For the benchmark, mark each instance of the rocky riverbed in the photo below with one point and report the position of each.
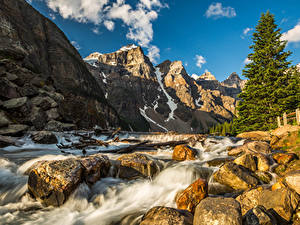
(208, 180)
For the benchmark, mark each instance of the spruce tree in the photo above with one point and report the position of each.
(272, 87)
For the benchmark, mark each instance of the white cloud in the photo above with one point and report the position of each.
(96, 30)
(216, 10)
(247, 30)
(138, 19)
(153, 53)
(292, 35)
(200, 61)
(247, 61)
(79, 10)
(76, 45)
(52, 16)
(110, 25)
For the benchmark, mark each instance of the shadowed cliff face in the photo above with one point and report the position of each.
(160, 98)
(37, 52)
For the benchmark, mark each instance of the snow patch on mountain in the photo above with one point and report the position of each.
(127, 48)
(195, 76)
(197, 102)
(143, 113)
(171, 103)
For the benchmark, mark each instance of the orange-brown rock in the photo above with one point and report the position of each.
(192, 195)
(285, 137)
(282, 201)
(256, 135)
(160, 215)
(253, 146)
(283, 158)
(184, 152)
(138, 165)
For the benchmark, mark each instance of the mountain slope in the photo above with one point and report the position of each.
(42, 59)
(161, 98)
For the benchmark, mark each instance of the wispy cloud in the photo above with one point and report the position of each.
(292, 35)
(110, 25)
(200, 60)
(246, 32)
(153, 53)
(76, 45)
(216, 10)
(138, 18)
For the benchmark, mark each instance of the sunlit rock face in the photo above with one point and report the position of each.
(161, 98)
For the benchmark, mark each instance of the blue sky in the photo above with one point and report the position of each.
(203, 34)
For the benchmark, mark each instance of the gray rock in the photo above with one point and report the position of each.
(8, 89)
(4, 121)
(164, 215)
(235, 176)
(44, 102)
(8, 141)
(54, 125)
(11, 77)
(15, 103)
(221, 211)
(52, 114)
(259, 216)
(44, 137)
(38, 118)
(14, 130)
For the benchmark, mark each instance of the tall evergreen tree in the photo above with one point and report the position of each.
(272, 87)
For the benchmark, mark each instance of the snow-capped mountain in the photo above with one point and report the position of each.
(161, 98)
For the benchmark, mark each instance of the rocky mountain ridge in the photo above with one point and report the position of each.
(44, 83)
(165, 97)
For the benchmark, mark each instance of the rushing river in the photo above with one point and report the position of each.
(109, 201)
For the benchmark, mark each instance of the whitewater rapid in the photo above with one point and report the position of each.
(111, 199)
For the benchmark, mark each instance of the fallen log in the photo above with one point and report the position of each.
(113, 134)
(143, 145)
(128, 149)
(168, 143)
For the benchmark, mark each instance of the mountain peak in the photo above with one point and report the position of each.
(207, 76)
(128, 48)
(234, 81)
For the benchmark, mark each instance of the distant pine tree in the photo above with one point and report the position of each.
(273, 87)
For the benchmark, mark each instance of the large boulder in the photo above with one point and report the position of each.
(221, 211)
(284, 158)
(292, 179)
(15, 103)
(235, 176)
(164, 215)
(256, 135)
(248, 161)
(52, 182)
(282, 201)
(7, 141)
(140, 165)
(184, 152)
(14, 130)
(54, 125)
(284, 136)
(192, 195)
(259, 216)
(4, 120)
(44, 137)
(253, 146)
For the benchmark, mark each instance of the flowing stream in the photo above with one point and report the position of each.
(109, 201)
